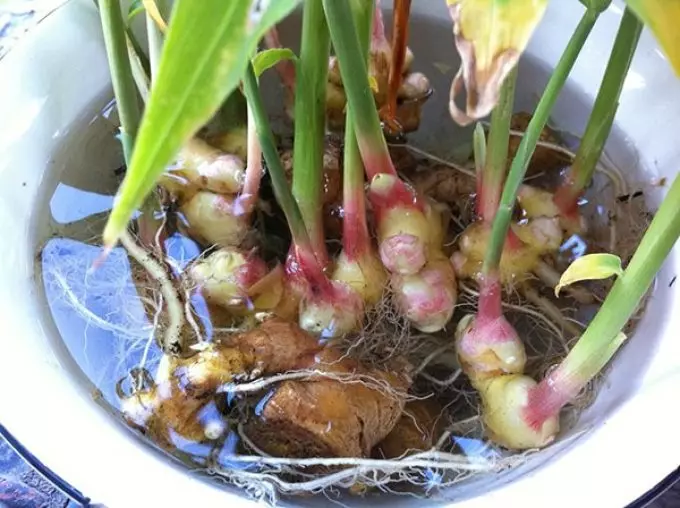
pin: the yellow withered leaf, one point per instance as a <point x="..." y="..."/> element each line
<point x="590" y="267"/>
<point x="490" y="36"/>
<point x="663" y="19"/>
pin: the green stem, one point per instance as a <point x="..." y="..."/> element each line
<point x="140" y="73"/>
<point x="355" y="228"/>
<point x="501" y="223"/>
<point x="137" y="48"/>
<point x="497" y="151"/>
<point x="479" y="150"/>
<point x="271" y="155"/>
<point x="310" y="116"/>
<point x="601" y="339"/>
<point x="121" y="73"/>
<point x="155" y="38"/>
<point x="354" y="72"/>
<point x="604" y="111"/>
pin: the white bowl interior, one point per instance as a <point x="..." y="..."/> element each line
<point x="59" y="72"/>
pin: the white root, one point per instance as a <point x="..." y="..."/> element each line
<point x="350" y="378"/>
<point x="176" y="316"/>
<point x="551" y="310"/>
<point x="434" y="354"/>
<point x="86" y="313"/>
<point x="443" y="382"/>
<point x="428" y="155"/>
<point x="425" y="470"/>
<point x="550" y="277"/>
<point x="429" y="459"/>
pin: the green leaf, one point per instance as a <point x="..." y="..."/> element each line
<point x="590" y="267"/>
<point x="270" y="57"/>
<point x="206" y="51"/>
<point x="663" y="19"/>
<point x="136" y="7"/>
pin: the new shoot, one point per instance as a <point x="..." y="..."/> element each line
<point x="567" y="196"/>
<point x="486" y="343"/>
<point x="358" y="265"/>
<point x="521" y="413"/>
<point x="327" y="308"/>
<point x="398" y="210"/>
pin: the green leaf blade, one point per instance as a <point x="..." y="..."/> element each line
<point x="206" y="52"/>
<point x="136" y="7"/>
<point x="270" y="57"/>
<point x="590" y="267"/>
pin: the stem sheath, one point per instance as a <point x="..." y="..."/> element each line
<point x="496" y="159"/>
<point x="354" y="72"/>
<point x="310" y="115"/>
<point x="355" y="237"/>
<point x="602" y="117"/>
<point x="155" y="37"/>
<point x="501" y="223"/>
<point x="271" y="156"/>
<point x="124" y="89"/>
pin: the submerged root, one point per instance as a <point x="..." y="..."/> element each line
<point x="430" y="470"/>
<point x="173" y="340"/>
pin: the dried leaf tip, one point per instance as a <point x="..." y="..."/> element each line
<point x="490" y="36"/>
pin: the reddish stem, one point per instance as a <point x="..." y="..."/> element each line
<point x="356" y="239"/>
<point x="488" y="198"/>
<point x="378" y="38"/>
<point x="245" y="203"/>
<point x="402" y="9"/>
<point x="376" y="161"/>
<point x="305" y="271"/>
<point x="490" y="302"/>
<point x="548" y="397"/>
<point x="397" y="194"/>
<point x="566" y="199"/>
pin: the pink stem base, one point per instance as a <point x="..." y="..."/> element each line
<point x="306" y="273"/>
<point x="549" y="397"/>
<point x="397" y="195"/>
<point x="356" y="240"/>
<point x="566" y="199"/>
<point x="375" y="161"/>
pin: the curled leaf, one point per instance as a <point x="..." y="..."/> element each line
<point x="663" y="19"/>
<point x="490" y="36"/>
<point x="136" y="7"/>
<point x="270" y="57"/>
<point x="590" y="267"/>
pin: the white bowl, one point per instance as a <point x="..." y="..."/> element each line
<point x="57" y="72"/>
